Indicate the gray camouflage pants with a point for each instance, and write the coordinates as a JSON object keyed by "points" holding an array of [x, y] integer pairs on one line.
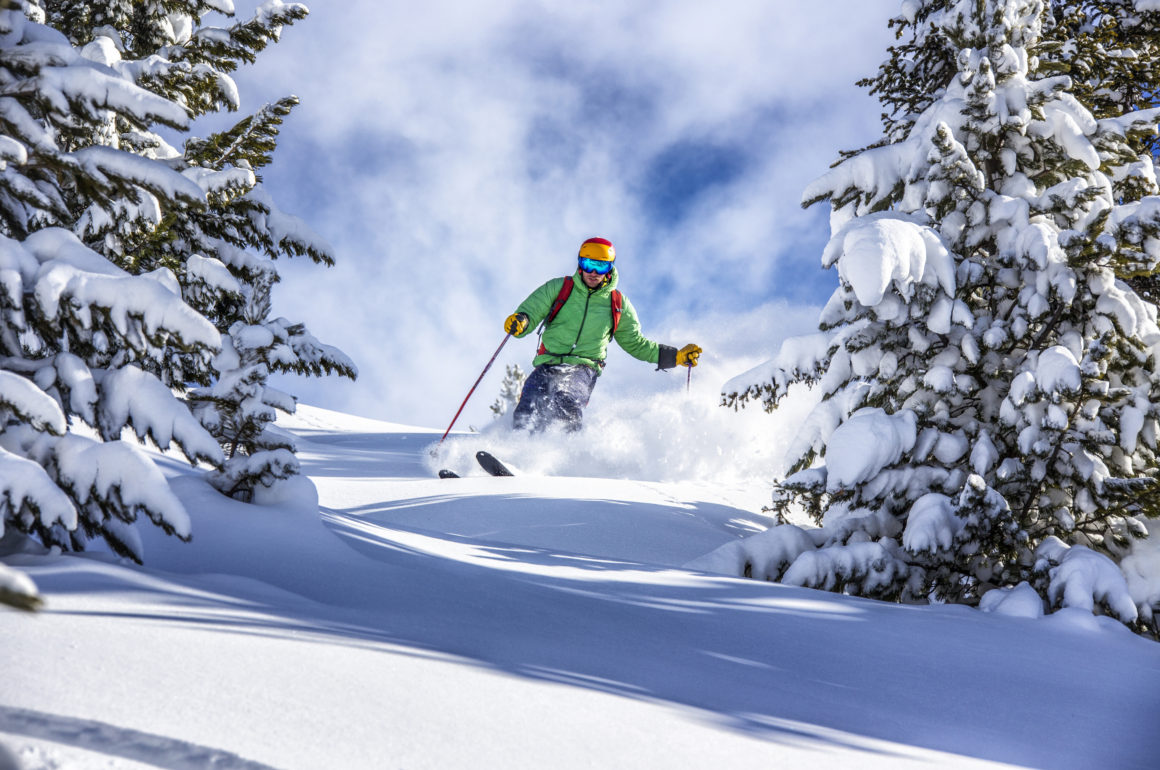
{"points": [[555, 394]]}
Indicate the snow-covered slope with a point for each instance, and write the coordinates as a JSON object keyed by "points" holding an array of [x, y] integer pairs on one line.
{"points": [[397, 620]]}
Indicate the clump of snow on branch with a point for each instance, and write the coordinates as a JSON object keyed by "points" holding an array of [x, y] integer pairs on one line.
{"points": [[877, 252], [865, 444]]}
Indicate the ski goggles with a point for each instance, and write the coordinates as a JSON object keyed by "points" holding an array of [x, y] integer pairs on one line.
{"points": [[598, 266]]}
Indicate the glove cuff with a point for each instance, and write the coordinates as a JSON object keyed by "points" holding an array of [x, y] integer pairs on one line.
{"points": [[667, 358]]}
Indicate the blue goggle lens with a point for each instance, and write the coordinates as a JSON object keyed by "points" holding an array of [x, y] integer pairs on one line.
{"points": [[595, 266]]}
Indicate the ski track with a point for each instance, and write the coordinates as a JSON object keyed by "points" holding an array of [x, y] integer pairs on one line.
{"points": [[103, 738]]}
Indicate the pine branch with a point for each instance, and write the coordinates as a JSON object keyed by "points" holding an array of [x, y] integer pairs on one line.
{"points": [[250, 141]]}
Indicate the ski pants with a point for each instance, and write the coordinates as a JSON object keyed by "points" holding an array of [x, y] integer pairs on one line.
{"points": [[555, 394]]}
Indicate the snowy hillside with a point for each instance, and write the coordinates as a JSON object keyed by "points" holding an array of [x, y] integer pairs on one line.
{"points": [[537, 621]]}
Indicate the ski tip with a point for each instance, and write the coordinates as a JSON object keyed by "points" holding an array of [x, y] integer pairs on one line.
{"points": [[490, 464], [446, 474]]}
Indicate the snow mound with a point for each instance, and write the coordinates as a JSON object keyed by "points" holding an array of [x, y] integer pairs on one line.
{"points": [[764, 556], [1021, 601], [1086, 580]]}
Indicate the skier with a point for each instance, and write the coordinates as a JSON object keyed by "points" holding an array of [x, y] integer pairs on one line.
{"points": [[577, 327]]}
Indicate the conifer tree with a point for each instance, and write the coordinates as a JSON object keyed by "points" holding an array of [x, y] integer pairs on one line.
{"points": [[1111, 51], [81, 339], [123, 259], [509, 391], [244, 232], [989, 377], [240, 407], [222, 250]]}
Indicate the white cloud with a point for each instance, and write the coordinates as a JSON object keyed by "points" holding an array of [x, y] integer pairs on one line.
{"points": [[457, 153]]}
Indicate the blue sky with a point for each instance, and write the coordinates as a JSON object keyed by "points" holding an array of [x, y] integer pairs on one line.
{"points": [[455, 155]]}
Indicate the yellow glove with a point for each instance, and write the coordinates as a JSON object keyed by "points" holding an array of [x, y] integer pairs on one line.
{"points": [[687, 356], [516, 323]]}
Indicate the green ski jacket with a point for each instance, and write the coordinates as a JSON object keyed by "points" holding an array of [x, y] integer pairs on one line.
{"points": [[580, 332]]}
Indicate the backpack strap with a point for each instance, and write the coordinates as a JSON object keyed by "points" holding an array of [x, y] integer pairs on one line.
{"points": [[561, 298]]}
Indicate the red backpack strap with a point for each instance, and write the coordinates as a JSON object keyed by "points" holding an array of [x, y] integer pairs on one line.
{"points": [[561, 298], [617, 309]]}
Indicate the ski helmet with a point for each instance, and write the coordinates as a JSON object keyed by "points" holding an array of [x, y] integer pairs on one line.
{"points": [[599, 249]]}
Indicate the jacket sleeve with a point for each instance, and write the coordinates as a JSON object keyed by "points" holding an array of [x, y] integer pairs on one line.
{"points": [[539, 303], [629, 337]]}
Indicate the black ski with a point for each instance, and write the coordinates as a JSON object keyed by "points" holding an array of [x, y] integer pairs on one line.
{"points": [[446, 474], [492, 465]]}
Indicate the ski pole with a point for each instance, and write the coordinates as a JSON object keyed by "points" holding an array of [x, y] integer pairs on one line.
{"points": [[689, 378], [476, 385]]}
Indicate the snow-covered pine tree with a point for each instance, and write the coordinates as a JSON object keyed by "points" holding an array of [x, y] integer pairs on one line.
{"points": [[989, 379], [171, 49], [243, 232], [1111, 51], [221, 253], [509, 391], [193, 58], [240, 407], [79, 335]]}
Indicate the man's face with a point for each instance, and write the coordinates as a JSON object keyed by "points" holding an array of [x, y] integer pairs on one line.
{"points": [[592, 280]]}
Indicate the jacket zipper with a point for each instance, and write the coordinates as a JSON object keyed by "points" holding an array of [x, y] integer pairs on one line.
{"points": [[583, 320]]}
